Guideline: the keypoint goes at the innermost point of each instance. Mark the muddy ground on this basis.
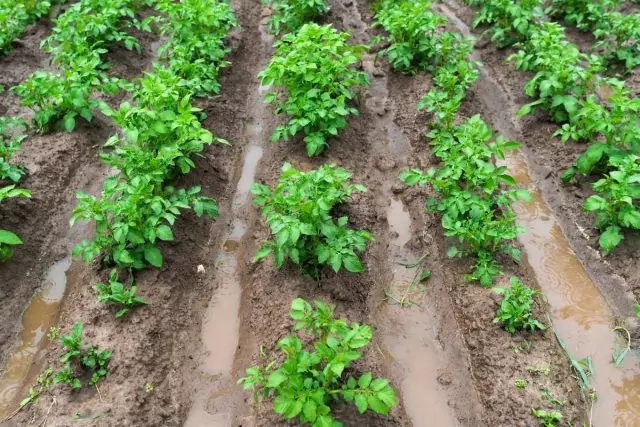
(161, 345)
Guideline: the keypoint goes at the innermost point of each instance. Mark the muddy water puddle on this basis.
(221, 327)
(22, 362)
(409, 333)
(579, 312)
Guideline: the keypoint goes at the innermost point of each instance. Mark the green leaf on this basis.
(69, 122)
(275, 379)
(309, 410)
(9, 238)
(365, 380)
(377, 405)
(378, 384)
(352, 264)
(610, 238)
(361, 403)
(262, 252)
(164, 232)
(153, 256)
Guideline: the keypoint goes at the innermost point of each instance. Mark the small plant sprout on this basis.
(116, 293)
(308, 382)
(298, 211)
(547, 418)
(520, 383)
(515, 309)
(148, 387)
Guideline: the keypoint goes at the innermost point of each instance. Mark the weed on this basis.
(91, 359)
(298, 211)
(520, 383)
(306, 383)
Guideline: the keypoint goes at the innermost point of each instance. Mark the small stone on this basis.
(377, 72)
(398, 188)
(200, 268)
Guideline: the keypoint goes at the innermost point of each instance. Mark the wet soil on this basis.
(211, 310)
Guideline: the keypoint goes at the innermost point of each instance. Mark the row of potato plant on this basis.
(77, 43)
(474, 194)
(11, 136)
(16, 16)
(617, 34)
(590, 108)
(311, 76)
(160, 133)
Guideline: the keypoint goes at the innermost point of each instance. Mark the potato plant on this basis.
(11, 136)
(313, 77)
(79, 38)
(9, 239)
(290, 15)
(616, 203)
(510, 21)
(306, 383)
(77, 355)
(115, 292)
(298, 211)
(412, 31)
(515, 312)
(15, 16)
(195, 50)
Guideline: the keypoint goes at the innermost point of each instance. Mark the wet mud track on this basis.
(211, 310)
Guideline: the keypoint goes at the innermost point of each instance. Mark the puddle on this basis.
(410, 335)
(22, 365)
(579, 312)
(221, 327)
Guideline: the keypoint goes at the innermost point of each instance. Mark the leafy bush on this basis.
(15, 16)
(7, 238)
(547, 418)
(617, 200)
(511, 20)
(584, 14)
(11, 137)
(77, 355)
(412, 32)
(115, 292)
(475, 194)
(290, 15)
(515, 308)
(560, 82)
(619, 38)
(307, 383)
(298, 212)
(312, 74)
(195, 50)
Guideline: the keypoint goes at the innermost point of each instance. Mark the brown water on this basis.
(579, 312)
(22, 361)
(409, 334)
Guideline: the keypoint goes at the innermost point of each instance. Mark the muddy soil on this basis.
(166, 370)
(617, 274)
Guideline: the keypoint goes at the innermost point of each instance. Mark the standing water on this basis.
(22, 365)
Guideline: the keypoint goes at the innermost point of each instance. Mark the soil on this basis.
(162, 346)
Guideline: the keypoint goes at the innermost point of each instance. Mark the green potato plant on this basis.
(195, 50)
(290, 15)
(11, 136)
(8, 239)
(76, 355)
(115, 292)
(412, 31)
(616, 203)
(308, 382)
(619, 38)
(312, 76)
(511, 21)
(515, 311)
(298, 211)
(15, 16)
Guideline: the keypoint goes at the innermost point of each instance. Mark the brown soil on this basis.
(161, 344)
